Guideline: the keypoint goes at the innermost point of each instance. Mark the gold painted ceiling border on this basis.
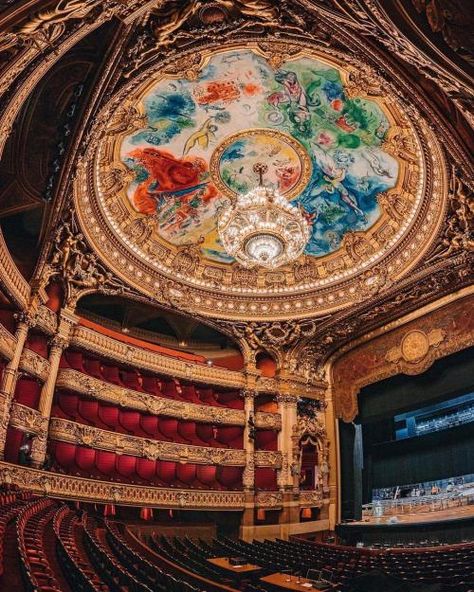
(72, 432)
(205, 302)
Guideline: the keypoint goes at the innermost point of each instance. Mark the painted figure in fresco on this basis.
(333, 177)
(202, 136)
(293, 93)
(170, 177)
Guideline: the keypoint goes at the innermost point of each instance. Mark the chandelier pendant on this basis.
(262, 228)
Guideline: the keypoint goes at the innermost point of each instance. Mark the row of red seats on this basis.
(82, 575)
(127, 421)
(11, 503)
(154, 385)
(88, 462)
(30, 531)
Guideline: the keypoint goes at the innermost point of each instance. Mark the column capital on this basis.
(58, 342)
(27, 318)
(286, 400)
(247, 393)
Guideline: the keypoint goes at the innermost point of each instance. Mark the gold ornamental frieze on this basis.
(311, 498)
(64, 430)
(92, 490)
(76, 381)
(110, 348)
(34, 364)
(27, 420)
(158, 234)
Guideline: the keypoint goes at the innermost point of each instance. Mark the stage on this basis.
(451, 526)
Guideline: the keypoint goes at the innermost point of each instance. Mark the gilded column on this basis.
(248, 479)
(287, 407)
(330, 462)
(59, 342)
(287, 481)
(26, 320)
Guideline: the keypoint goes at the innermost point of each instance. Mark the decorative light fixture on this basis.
(263, 228)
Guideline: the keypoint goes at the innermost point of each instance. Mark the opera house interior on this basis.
(236, 295)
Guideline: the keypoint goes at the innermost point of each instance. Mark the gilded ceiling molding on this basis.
(34, 364)
(10, 277)
(68, 431)
(110, 348)
(410, 349)
(394, 247)
(78, 488)
(26, 419)
(43, 38)
(7, 343)
(78, 382)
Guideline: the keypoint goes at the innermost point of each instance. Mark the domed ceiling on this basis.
(176, 144)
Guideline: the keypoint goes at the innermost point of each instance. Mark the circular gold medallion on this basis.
(415, 345)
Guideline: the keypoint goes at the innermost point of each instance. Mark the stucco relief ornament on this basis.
(412, 355)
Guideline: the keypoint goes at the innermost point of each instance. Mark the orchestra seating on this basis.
(64, 549)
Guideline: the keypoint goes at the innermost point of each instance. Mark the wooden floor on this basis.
(436, 516)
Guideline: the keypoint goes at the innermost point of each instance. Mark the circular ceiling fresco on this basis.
(183, 139)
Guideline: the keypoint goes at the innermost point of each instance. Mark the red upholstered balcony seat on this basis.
(266, 440)
(265, 478)
(28, 391)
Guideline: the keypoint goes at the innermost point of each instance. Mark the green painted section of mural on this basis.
(188, 121)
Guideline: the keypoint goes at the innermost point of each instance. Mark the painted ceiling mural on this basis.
(200, 139)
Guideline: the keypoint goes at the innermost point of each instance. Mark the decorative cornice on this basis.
(110, 348)
(34, 364)
(84, 435)
(81, 383)
(82, 489)
(10, 277)
(265, 458)
(27, 420)
(311, 498)
(76, 381)
(268, 499)
(7, 343)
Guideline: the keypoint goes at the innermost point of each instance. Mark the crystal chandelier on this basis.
(263, 228)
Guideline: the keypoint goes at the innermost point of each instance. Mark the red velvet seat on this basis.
(146, 469)
(75, 360)
(231, 399)
(166, 471)
(88, 410)
(64, 453)
(206, 475)
(111, 374)
(131, 379)
(105, 462)
(186, 473)
(27, 392)
(231, 436)
(93, 368)
(265, 478)
(68, 403)
(151, 427)
(230, 477)
(187, 430)
(109, 415)
(208, 397)
(188, 393)
(85, 458)
(172, 390)
(266, 440)
(152, 385)
(205, 432)
(168, 426)
(130, 421)
(126, 466)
